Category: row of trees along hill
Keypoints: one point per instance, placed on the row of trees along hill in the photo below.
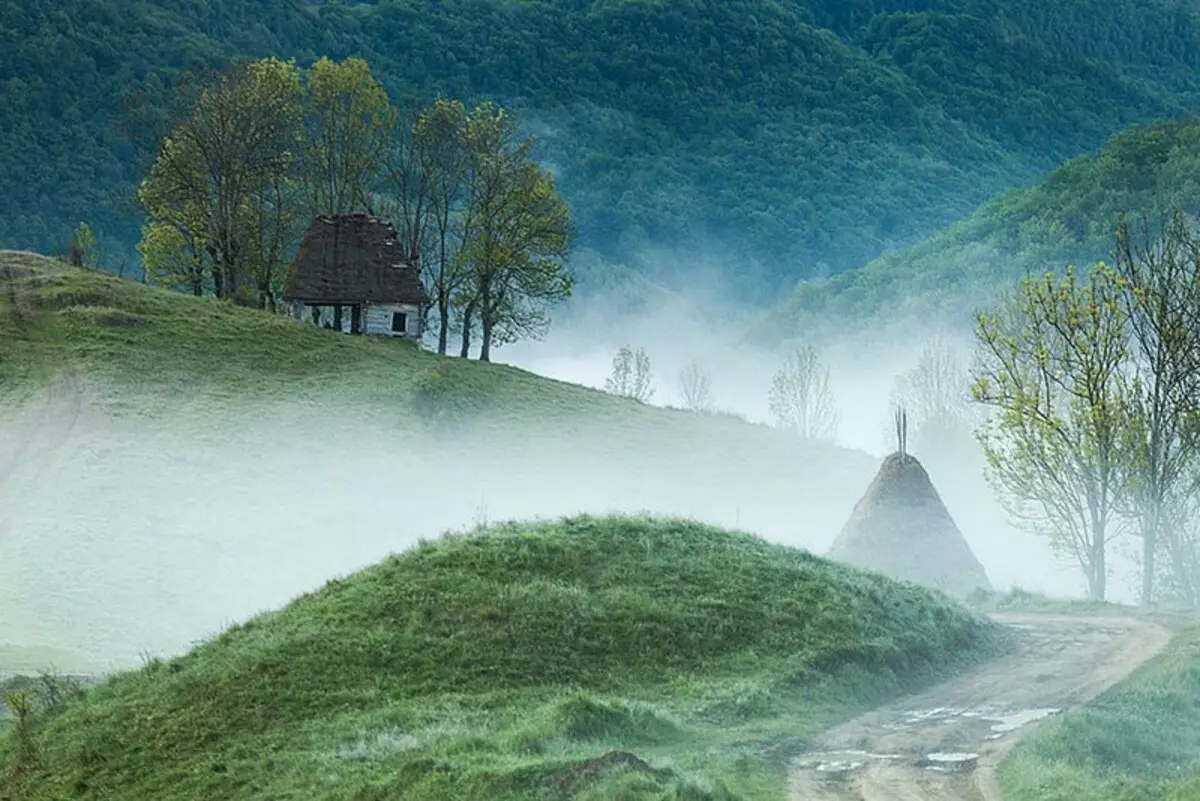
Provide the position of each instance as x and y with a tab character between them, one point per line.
251	153
1093	383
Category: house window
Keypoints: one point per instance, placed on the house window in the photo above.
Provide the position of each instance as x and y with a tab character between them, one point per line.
399	322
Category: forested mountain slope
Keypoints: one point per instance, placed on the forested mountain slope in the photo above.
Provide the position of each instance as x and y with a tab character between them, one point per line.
1069	218
801	136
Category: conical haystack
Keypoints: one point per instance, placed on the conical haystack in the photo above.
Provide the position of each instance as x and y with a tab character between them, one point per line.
901	527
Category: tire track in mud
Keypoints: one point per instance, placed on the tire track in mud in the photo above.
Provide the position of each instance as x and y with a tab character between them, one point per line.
945	744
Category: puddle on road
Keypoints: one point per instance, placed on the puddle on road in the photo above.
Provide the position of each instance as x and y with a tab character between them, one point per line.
1015	720
949	762
836	764
1004	720
839	763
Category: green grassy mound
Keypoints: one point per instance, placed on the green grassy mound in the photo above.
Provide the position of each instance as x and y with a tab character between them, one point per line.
1137	742
657	656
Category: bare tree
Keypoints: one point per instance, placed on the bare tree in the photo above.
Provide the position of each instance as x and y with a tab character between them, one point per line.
631	376
938	387
695	387
800	398
1178	580
936	395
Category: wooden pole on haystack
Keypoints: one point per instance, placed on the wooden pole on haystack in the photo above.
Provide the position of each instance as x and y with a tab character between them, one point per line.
902	434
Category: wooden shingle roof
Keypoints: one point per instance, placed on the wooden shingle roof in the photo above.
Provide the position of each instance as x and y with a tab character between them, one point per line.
352	258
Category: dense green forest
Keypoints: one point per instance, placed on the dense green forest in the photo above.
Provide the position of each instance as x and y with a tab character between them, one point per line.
1069	218
785	138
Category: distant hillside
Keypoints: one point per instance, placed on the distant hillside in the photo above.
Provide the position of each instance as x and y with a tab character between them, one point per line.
1069	218
512	664
782	139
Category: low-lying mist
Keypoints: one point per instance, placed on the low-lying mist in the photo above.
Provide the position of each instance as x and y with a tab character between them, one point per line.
124	536
130	535
695	325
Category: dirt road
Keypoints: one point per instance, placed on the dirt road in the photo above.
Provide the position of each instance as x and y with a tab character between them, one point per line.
944	744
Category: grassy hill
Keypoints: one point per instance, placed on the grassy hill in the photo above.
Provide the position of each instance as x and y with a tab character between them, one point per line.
155	446
788	138
1069	218
511	663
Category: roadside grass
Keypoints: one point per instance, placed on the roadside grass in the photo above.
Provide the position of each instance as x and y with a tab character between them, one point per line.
614	657
1139	741
1020	600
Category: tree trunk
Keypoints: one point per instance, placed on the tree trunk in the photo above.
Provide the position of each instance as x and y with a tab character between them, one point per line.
231	281
198	287
443	326
485	346
468	313
1149	547
337	318
1098	578
218	281
356	319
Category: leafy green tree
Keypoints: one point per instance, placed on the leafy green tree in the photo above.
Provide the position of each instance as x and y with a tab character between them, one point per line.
800	399
426	178
1161	283
440	135
236	142
518	236
350	124
1056	442
173	256
83	246
273	219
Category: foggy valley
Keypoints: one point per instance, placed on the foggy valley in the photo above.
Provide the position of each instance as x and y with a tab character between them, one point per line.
707	401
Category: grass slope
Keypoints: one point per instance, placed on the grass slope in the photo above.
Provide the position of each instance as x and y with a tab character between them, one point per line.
1137	742
1069	218
189	422
795	133
497	664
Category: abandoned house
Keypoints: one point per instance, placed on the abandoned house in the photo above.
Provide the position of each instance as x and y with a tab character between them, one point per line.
351	275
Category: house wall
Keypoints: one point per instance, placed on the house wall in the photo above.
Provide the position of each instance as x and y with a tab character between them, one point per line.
377	319
325	316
